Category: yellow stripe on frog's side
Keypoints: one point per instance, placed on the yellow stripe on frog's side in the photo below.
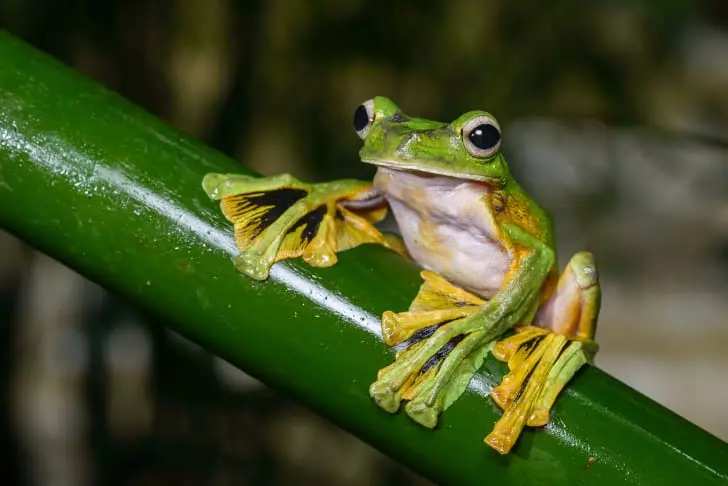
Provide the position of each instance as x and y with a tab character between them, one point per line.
517	209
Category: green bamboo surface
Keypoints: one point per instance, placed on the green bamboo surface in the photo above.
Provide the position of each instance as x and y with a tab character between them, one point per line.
114	193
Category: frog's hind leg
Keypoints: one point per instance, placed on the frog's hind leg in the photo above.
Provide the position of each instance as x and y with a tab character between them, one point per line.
280	217
574	307
543	357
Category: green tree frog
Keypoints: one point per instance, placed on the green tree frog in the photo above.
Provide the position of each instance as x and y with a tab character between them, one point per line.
486	248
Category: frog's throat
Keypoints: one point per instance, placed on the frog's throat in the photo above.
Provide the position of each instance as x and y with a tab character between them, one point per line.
404	167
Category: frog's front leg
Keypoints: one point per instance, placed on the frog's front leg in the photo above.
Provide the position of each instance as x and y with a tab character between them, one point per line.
437	368
543	359
280	217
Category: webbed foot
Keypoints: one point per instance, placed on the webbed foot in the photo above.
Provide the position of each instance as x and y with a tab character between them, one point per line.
437	302
431	374
541	363
280	217
440	355
542	360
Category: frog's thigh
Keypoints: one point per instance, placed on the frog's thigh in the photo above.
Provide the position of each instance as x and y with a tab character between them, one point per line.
573	309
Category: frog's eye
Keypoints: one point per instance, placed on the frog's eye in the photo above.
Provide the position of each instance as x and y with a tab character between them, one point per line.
482	136
363	117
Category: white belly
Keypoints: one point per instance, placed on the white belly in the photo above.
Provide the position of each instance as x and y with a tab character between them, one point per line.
446	228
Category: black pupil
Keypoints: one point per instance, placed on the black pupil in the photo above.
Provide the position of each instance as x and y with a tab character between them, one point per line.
361	118
485	136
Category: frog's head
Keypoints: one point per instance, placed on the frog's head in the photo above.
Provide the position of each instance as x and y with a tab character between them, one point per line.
467	148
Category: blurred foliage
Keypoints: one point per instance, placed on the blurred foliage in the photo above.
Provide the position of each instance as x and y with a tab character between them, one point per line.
274	84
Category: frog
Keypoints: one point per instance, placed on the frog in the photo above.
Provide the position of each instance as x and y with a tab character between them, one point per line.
490	278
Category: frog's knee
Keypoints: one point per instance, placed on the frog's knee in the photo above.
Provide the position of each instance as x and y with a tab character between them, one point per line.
584	267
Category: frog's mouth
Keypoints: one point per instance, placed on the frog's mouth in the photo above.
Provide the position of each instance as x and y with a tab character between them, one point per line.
428	171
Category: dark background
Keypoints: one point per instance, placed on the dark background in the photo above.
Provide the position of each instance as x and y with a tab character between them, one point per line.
615	117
